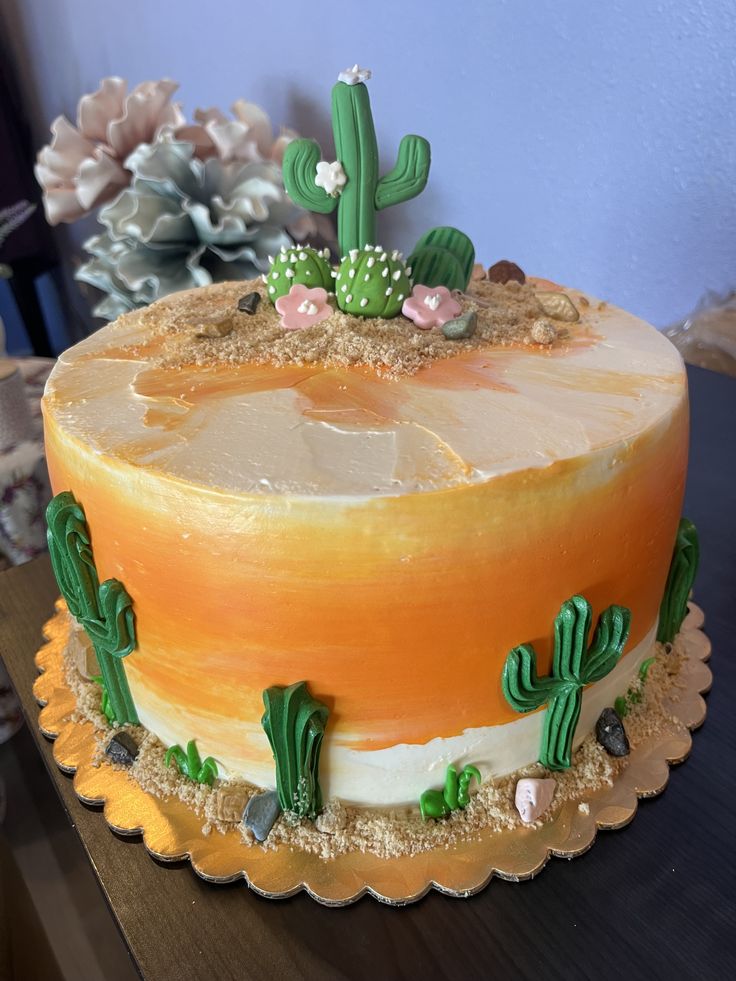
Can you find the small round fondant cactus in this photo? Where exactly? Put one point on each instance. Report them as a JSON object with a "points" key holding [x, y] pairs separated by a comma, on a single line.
{"points": [[300, 264], [372, 283]]}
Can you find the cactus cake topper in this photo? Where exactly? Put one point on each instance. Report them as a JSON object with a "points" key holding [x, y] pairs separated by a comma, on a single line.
{"points": [[372, 283], [574, 665], [364, 192]]}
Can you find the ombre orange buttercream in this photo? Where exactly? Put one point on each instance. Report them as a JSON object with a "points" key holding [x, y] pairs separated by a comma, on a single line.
{"points": [[397, 606]]}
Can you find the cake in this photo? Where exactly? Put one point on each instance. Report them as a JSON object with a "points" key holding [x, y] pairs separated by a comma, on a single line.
{"points": [[436, 535]]}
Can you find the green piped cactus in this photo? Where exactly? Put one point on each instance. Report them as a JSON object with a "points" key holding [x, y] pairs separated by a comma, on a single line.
{"points": [[680, 578], [443, 257], [574, 665], [300, 264], [104, 610], [364, 192], [372, 283], [295, 723]]}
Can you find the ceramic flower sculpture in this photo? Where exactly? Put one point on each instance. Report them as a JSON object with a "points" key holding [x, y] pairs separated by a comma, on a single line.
{"points": [[84, 166]]}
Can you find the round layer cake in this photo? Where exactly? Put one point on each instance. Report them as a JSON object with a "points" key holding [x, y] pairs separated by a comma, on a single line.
{"points": [[385, 535]]}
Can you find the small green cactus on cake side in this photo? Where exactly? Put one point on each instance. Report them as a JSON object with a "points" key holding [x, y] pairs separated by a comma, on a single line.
{"points": [[575, 664], [372, 283], [300, 264]]}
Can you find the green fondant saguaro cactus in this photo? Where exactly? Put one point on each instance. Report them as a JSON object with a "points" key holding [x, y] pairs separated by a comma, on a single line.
{"points": [[104, 610], [574, 665], [372, 283], [364, 192], [301, 265], [295, 723], [443, 257], [680, 578]]}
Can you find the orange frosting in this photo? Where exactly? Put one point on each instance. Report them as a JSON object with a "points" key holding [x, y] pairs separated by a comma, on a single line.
{"points": [[398, 609]]}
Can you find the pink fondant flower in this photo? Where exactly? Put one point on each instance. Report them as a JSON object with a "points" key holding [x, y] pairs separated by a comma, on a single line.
{"points": [[303, 307], [430, 306]]}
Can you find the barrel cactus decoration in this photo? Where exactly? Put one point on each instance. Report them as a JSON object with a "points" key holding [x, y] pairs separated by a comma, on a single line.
{"points": [[574, 665], [363, 192], [295, 723], [104, 610], [680, 578], [302, 265], [372, 283], [443, 257]]}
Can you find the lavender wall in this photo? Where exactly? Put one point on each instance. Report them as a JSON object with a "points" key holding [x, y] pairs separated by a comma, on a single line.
{"points": [[592, 142]]}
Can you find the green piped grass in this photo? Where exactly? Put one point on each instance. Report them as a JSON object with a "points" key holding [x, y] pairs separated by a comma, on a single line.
{"points": [[105, 706], [190, 764], [454, 796], [633, 696]]}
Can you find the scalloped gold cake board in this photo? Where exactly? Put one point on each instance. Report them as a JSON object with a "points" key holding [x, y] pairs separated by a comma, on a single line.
{"points": [[171, 831]]}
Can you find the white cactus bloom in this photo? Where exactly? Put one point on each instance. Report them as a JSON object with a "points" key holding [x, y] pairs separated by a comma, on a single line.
{"points": [[330, 177], [354, 75]]}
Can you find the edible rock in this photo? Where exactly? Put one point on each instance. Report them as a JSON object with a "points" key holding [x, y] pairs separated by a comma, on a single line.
{"points": [[219, 328], [228, 805], [559, 306], [543, 332], [80, 649], [533, 797], [331, 820], [260, 814], [478, 272], [122, 748], [503, 270], [610, 733], [460, 327], [249, 302]]}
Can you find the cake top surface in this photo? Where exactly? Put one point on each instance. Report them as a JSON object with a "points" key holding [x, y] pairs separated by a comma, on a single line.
{"points": [[146, 392]]}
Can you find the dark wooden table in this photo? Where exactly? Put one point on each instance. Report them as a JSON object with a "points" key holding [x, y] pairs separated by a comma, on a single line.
{"points": [[655, 900]]}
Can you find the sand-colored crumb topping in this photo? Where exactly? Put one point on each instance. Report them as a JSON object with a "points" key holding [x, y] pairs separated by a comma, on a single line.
{"points": [[205, 327], [399, 831]]}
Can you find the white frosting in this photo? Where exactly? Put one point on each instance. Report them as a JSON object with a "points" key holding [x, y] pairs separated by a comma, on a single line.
{"points": [[423, 436]]}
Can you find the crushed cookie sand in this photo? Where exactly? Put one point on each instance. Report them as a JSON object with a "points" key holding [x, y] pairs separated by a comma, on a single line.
{"points": [[400, 830], [205, 327]]}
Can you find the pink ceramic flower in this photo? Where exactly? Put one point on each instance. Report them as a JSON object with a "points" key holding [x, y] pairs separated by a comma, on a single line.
{"points": [[85, 164], [303, 307], [430, 306]]}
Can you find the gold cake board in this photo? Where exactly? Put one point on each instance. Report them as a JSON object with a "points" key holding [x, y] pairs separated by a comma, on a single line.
{"points": [[172, 832]]}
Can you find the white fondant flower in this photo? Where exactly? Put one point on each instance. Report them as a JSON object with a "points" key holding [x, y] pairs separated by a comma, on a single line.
{"points": [[331, 177], [354, 75]]}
